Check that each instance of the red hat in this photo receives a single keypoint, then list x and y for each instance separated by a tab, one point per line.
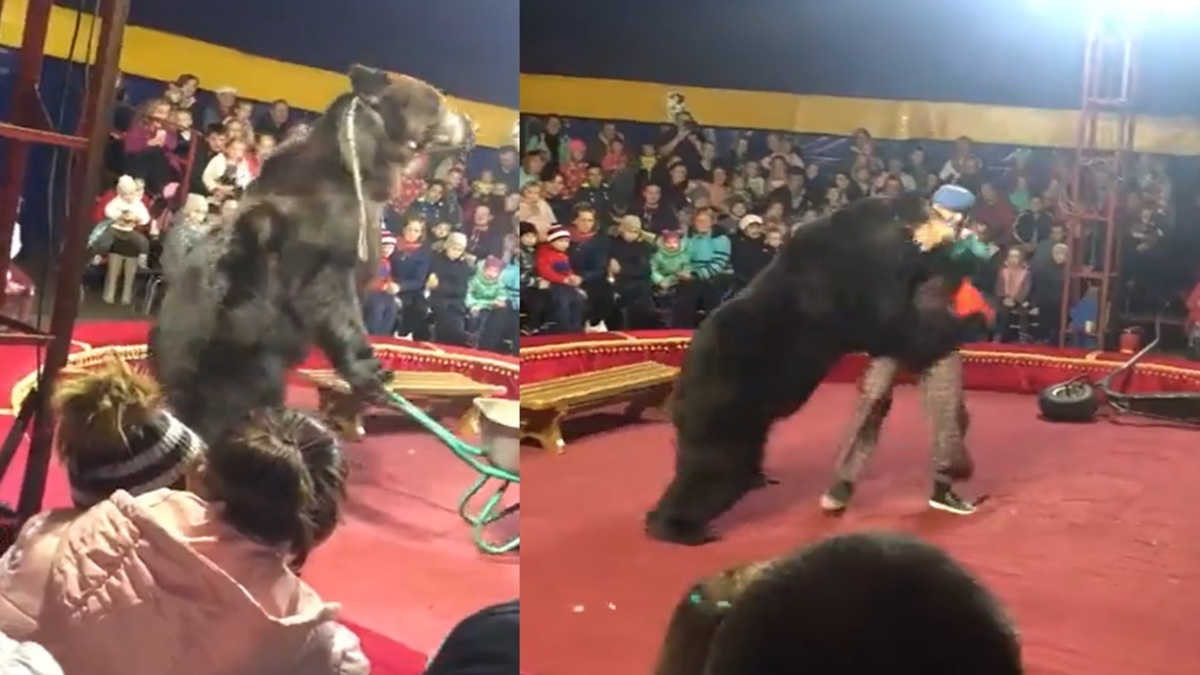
387	239
558	232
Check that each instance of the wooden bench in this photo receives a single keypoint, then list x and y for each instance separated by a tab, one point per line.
544	405
441	394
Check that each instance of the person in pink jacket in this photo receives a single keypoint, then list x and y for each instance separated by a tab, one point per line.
152	580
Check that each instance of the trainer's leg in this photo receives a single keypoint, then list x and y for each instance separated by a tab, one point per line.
942	396
873	405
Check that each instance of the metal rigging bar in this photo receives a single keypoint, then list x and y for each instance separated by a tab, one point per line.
1104	140
91	139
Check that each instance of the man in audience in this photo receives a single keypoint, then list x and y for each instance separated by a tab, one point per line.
589	255
277	122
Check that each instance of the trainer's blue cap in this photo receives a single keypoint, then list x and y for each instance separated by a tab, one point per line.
954	198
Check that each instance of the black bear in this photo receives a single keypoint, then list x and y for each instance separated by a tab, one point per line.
284	272
842	284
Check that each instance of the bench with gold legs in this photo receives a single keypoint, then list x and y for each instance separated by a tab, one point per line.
544	405
441	394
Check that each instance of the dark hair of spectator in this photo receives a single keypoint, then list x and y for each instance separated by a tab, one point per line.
584	207
282	480
214	129
863	603
185	78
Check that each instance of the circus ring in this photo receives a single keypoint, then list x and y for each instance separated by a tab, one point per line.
400	522
1087	535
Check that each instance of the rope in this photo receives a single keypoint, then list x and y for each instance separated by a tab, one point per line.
356	173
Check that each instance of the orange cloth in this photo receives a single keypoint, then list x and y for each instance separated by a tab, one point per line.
968	300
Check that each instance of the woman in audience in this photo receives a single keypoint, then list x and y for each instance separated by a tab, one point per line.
449	275
866	603
219	557
149	147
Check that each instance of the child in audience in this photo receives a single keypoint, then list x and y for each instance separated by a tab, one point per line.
227	173
437	236
223	553
671	269
629	267
1047	293
487	302
449	275
192	225
614	159
484	186
119	238
534	296
773	238
748	253
114	433
381	307
567	300
1013	284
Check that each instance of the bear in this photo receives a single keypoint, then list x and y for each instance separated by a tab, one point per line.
842	284
284	271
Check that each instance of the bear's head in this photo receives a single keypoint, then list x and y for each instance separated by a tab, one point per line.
397	118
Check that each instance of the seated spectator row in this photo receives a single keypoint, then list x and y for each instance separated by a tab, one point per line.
728	208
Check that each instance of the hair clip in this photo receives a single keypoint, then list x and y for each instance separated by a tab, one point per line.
697	598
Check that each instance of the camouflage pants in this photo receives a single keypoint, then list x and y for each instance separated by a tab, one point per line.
942	397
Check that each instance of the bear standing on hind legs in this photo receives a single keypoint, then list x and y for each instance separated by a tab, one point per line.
284	273
842	284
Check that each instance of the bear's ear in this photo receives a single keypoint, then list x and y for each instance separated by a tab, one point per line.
368	83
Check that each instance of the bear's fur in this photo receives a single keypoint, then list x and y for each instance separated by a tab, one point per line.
284	272
845	283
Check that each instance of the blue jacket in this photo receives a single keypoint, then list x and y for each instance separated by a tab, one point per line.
589	257
510	276
411	270
709	255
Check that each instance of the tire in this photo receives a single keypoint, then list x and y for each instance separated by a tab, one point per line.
1073	401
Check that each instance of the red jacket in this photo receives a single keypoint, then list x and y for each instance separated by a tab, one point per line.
552	265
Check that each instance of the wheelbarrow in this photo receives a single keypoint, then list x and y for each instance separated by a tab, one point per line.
496	461
1079	399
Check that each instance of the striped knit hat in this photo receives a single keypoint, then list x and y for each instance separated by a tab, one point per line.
160	452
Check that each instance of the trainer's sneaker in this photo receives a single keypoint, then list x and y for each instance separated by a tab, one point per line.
837	497
944	499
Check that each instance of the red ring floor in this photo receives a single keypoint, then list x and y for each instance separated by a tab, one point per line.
1089	536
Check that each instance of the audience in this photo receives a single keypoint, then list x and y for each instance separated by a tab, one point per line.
184	533
865	603
727	201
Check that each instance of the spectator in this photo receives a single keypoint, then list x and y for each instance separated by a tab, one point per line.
1033	225
1020	197
509	170
568	301
629	268
215	139
113	434
552	144
277	122
149	147
533	287
409	269
748	254
777	616
534	169
603	145
380	306
434	206
263	501
484	238
671	273
573	169
1013	285
1047	293
589	255
487	642
119	239
533	209
487	303
264	147
192	224
227	174
437	236
656	216
449	274
956	166
596	193
188	85
222	108
553	190
996	212
615	159
708	253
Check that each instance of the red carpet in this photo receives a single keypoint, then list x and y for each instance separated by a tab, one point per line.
1088	536
402	565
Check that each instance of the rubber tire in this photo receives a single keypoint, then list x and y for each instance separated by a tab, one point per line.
1069	402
